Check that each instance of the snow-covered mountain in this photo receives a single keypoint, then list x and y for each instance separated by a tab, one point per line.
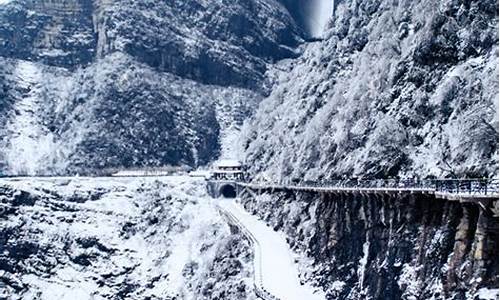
405	88
101	84
392	89
299	90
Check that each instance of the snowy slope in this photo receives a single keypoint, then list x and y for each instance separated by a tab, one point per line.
140	117
126	238
406	89
30	144
147	83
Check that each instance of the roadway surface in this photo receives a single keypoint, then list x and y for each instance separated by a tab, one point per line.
275	270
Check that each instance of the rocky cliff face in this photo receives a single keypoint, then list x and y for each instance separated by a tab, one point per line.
395	88
214	42
399	88
389	247
57	33
118	239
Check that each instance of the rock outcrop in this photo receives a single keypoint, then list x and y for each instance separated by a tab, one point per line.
388	247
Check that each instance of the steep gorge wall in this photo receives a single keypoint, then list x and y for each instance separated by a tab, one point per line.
388	247
58	33
396	88
214	42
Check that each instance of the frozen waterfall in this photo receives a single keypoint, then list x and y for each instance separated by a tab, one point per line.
312	15
316	15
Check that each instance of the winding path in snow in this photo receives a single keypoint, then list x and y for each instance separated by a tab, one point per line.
275	270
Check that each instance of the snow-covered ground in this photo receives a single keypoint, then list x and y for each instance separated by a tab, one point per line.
30	142
488	294
134	237
118	238
277	265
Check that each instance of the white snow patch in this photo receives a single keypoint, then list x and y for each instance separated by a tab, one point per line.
30	143
408	282
338	285
60	288
53	52
363	262
229	142
488	294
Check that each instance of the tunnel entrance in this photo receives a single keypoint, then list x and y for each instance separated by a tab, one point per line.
228	191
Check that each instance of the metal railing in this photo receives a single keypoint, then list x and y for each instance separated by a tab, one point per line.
449	186
260	290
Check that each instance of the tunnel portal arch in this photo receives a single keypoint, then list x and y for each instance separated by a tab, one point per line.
228	191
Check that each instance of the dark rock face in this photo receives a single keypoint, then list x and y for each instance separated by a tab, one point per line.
216	42
388	247
59	33
5	103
